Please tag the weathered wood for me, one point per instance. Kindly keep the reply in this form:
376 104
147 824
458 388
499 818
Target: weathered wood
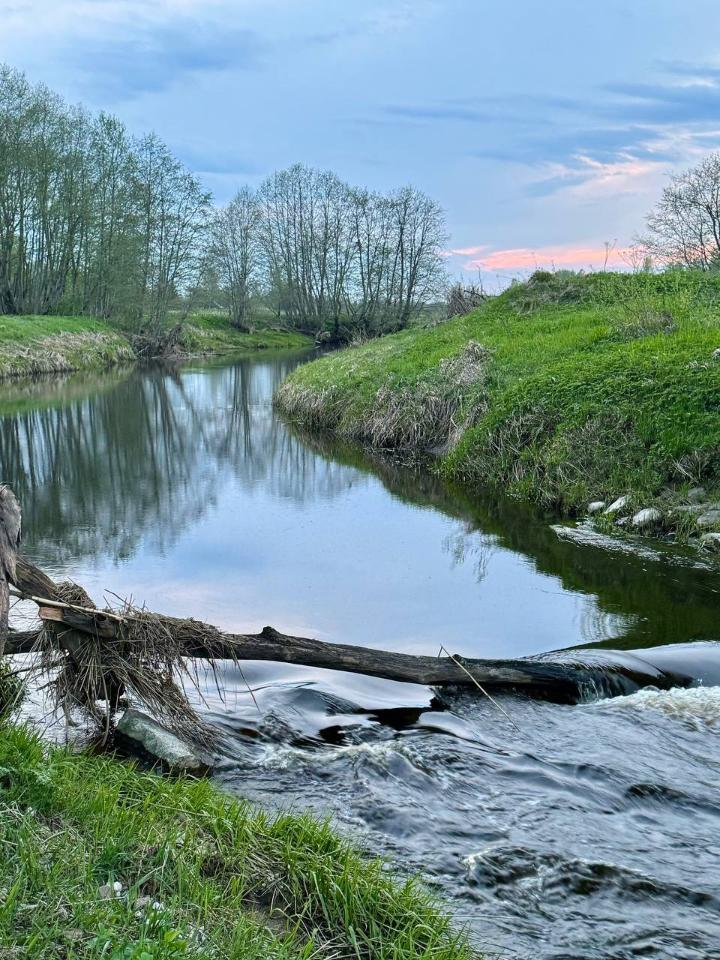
558 680
10 523
205 641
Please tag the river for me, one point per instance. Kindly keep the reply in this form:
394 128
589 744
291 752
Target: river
587 830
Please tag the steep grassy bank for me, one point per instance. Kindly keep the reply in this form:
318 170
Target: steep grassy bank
30 346
98 859
565 390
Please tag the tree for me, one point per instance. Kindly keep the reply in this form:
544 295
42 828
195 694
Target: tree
173 213
684 227
234 253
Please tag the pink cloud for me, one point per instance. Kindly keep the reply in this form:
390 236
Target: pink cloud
524 258
465 251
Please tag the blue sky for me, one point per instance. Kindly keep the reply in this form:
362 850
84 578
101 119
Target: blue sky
544 130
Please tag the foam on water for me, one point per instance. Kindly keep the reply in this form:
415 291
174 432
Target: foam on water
701 704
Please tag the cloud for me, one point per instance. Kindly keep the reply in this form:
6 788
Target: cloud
447 112
588 178
524 258
148 57
611 140
465 251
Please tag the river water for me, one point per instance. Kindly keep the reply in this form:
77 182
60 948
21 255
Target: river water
586 830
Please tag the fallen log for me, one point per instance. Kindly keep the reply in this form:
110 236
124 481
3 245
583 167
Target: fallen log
541 677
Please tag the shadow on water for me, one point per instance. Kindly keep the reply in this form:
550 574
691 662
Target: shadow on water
664 594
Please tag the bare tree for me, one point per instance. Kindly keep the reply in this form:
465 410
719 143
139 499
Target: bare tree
684 227
234 252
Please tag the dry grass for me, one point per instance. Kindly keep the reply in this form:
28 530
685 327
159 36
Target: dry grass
430 413
63 353
147 663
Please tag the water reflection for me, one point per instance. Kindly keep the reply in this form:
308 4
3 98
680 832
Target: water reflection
182 488
99 465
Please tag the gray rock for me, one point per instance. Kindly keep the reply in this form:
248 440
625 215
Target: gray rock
696 495
617 505
711 518
716 353
647 517
596 506
141 730
710 541
694 509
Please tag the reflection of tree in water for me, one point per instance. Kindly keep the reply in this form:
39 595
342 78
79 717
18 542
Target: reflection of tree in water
633 602
147 458
467 544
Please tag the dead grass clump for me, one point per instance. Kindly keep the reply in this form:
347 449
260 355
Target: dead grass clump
644 323
435 411
147 662
529 454
62 353
545 289
463 298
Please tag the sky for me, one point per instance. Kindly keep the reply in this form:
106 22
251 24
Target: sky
545 130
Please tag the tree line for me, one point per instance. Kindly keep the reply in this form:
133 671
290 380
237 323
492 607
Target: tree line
96 221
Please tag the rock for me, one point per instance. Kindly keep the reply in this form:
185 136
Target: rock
140 730
710 541
596 506
617 505
696 495
110 891
716 354
647 517
693 509
711 518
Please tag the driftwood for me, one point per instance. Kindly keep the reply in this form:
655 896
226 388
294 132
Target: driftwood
539 677
107 652
9 542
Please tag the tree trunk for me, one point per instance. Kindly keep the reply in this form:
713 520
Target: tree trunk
9 541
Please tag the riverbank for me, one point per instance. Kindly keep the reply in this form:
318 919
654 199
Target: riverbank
566 390
34 346
102 859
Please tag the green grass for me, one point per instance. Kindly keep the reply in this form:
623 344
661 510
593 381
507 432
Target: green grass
32 346
213 333
586 387
200 874
28 329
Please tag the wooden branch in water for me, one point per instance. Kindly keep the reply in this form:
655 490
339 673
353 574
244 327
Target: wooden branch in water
205 641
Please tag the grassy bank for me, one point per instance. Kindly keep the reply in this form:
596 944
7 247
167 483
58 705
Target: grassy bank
31 346
98 859
212 333
564 390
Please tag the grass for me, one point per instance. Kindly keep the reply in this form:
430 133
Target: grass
197 873
588 387
213 333
32 346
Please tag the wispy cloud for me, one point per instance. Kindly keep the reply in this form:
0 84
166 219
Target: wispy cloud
524 259
147 57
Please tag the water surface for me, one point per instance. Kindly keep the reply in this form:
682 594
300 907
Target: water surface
590 831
